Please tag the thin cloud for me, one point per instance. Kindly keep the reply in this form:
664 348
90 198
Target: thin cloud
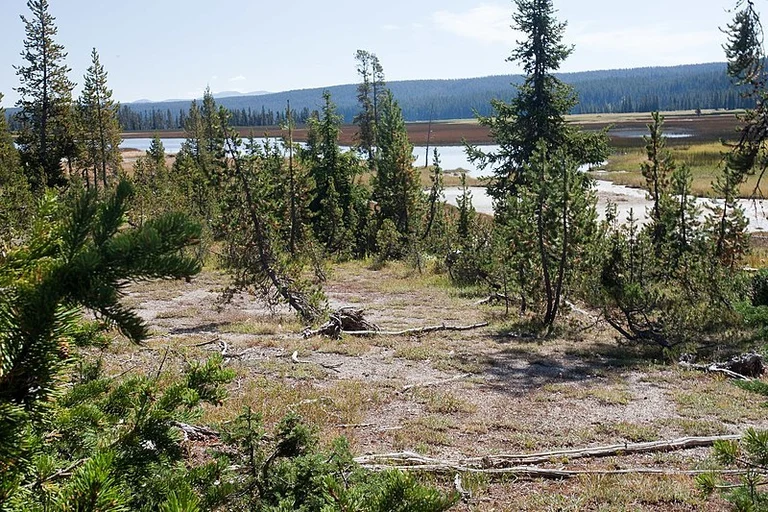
665 43
490 23
238 78
390 28
487 23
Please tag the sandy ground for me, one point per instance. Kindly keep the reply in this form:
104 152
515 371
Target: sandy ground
510 393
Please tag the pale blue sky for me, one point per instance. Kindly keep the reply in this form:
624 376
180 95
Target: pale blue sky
162 49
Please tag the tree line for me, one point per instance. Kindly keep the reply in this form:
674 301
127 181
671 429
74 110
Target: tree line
689 87
134 119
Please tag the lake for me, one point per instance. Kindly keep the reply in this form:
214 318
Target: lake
454 157
451 157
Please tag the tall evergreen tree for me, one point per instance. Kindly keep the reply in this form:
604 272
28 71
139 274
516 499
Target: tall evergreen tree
538 111
46 99
746 67
201 159
99 128
436 200
396 186
333 174
538 193
156 192
370 92
15 195
657 172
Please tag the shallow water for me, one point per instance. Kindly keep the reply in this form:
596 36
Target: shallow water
626 199
454 157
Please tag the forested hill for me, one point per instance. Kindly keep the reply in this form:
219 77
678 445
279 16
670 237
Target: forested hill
688 87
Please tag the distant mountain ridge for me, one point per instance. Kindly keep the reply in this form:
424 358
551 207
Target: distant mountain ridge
217 95
685 87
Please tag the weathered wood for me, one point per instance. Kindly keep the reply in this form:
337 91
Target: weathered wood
714 369
506 461
342 320
493 298
196 432
742 367
533 472
418 330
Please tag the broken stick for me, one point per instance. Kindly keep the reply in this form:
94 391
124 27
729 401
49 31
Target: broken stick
418 330
514 461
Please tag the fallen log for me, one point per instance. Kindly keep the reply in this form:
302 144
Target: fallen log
555 474
491 462
494 298
742 367
418 330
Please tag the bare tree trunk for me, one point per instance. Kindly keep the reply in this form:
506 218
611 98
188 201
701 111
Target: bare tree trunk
294 220
564 253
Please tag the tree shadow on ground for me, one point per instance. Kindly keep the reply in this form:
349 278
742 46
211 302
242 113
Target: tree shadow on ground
210 327
518 365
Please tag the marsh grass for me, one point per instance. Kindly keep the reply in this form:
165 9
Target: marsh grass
703 159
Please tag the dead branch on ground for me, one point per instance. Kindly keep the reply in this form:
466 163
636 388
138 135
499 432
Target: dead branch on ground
419 330
520 464
196 432
494 298
742 367
342 320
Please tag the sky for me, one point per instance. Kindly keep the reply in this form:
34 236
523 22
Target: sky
173 49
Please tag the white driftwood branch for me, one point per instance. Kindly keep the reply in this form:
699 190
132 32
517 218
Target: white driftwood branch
516 463
713 368
418 330
553 474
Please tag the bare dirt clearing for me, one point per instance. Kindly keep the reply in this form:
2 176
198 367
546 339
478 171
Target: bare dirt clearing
508 393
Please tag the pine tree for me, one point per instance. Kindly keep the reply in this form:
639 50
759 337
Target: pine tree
746 67
657 171
46 100
76 257
467 214
370 92
436 198
538 111
332 172
545 200
250 219
98 126
200 161
15 194
396 186
156 192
